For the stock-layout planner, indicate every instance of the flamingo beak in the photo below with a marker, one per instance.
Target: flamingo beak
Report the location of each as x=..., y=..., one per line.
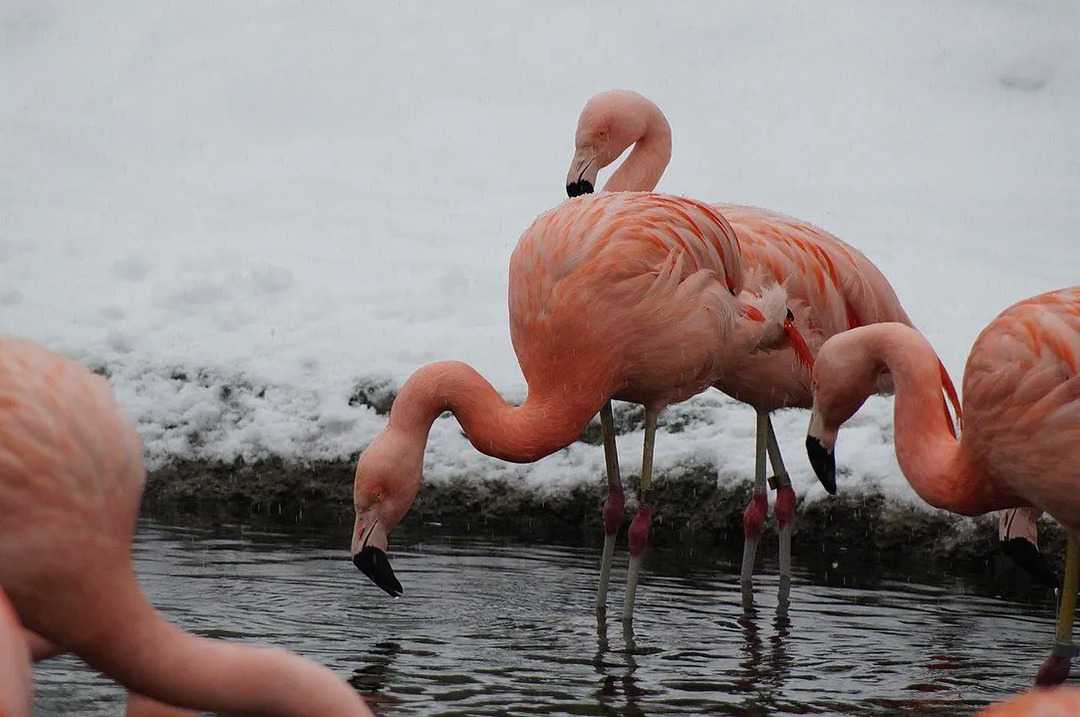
x=369, y=556
x=820, y=451
x=824, y=463
x=583, y=170
x=1027, y=556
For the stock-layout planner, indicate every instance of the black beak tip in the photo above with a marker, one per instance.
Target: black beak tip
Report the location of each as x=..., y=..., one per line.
x=824, y=463
x=373, y=562
x=576, y=189
x=1031, y=561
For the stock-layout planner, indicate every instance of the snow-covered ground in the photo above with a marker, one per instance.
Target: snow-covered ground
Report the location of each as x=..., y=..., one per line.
x=285, y=197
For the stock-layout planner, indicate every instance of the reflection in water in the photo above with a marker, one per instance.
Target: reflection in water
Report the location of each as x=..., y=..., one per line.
x=487, y=629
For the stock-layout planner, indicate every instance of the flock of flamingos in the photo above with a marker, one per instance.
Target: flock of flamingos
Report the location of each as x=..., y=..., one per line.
x=623, y=295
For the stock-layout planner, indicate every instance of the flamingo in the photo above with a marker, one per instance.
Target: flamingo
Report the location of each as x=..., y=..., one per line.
x=1056, y=702
x=634, y=296
x=837, y=283
x=1021, y=442
x=71, y=477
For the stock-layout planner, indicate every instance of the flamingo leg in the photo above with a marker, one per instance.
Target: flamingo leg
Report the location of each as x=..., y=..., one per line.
x=1056, y=668
x=785, y=514
x=755, y=513
x=613, y=506
x=639, y=529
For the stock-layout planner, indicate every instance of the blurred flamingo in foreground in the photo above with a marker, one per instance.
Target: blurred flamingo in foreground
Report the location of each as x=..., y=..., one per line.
x=137, y=705
x=831, y=287
x=1021, y=441
x=71, y=476
x=632, y=296
x=15, y=684
x=1056, y=702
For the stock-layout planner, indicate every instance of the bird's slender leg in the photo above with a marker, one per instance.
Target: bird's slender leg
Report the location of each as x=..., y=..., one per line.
x=639, y=529
x=613, y=506
x=755, y=513
x=1056, y=668
x=785, y=514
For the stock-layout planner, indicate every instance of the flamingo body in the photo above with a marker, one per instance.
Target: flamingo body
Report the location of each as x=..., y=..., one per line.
x=1021, y=442
x=636, y=296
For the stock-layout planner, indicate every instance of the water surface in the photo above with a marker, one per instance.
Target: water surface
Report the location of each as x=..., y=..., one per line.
x=486, y=628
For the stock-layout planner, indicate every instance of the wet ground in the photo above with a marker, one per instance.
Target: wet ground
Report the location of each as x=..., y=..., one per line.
x=486, y=627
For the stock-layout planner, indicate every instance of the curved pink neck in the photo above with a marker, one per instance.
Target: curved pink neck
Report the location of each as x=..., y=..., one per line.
x=648, y=159
x=544, y=423
x=939, y=468
x=110, y=624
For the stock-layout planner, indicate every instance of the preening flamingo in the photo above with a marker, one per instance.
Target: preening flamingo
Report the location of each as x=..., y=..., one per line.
x=1055, y=702
x=1021, y=440
x=632, y=296
x=831, y=287
x=16, y=686
x=71, y=477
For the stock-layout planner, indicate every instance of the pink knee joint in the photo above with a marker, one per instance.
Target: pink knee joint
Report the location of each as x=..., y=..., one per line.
x=613, y=511
x=785, y=506
x=754, y=515
x=639, y=530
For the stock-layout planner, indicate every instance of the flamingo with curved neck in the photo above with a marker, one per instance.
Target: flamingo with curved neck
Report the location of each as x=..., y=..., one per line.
x=600, y=290
x=71, y=479
x=1021, y=442
x=831, y=287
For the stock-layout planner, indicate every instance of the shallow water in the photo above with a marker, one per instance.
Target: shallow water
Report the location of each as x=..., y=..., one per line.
x=486, y=628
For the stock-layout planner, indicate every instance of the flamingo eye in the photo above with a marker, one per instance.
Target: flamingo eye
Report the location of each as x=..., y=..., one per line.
x=377, y=498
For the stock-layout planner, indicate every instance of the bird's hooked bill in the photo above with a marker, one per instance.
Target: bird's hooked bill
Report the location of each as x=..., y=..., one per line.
x=576, y=189
x=824, y=463
x=798, y=343
x=372, y=561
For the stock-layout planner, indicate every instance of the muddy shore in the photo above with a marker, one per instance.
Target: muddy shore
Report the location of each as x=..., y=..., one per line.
x=692, y=510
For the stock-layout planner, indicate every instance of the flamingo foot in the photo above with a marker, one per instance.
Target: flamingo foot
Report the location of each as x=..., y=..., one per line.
x=639, y=536
x=753, y=520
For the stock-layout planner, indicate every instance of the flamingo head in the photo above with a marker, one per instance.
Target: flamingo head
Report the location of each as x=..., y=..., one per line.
x=387, y=478
x=610, y=122
x=844, y=376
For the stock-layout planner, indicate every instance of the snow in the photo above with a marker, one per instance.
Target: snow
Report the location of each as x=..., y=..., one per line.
x=243, y=210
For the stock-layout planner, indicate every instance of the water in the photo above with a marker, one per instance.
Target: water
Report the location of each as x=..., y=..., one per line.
x=485, y=628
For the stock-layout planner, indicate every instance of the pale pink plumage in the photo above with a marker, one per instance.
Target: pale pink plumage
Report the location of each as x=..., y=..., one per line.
x=1021, y=440
x=1057, y=702
x=71, y=477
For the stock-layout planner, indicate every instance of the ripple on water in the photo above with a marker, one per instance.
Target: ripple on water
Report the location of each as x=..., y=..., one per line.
x=494, y=629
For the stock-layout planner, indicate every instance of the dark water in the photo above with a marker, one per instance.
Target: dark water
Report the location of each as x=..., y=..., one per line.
x=492, y=629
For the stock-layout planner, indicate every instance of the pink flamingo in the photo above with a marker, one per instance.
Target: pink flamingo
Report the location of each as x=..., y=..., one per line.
x=837, y=286
x=71, y=477
x=1055, y=702
x=632, y=296
x=1021, y=441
